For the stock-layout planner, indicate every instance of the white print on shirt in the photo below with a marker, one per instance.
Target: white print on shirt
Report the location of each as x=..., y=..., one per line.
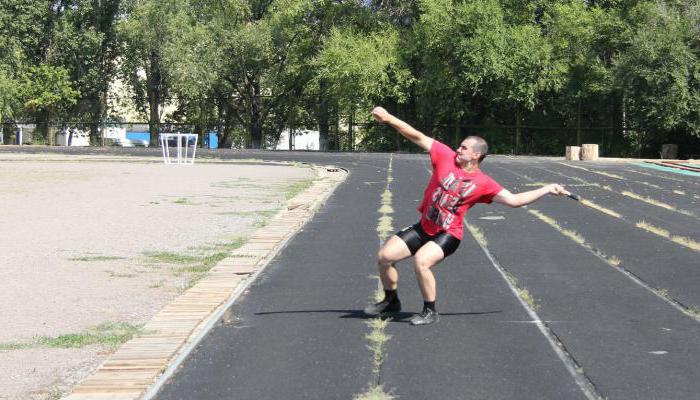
x=447, y=199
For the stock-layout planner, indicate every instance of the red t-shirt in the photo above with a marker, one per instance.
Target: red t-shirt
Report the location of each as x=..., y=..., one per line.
x=451, y=192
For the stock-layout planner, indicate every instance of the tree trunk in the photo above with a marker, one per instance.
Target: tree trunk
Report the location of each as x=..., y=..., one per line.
x=517, y=130
x=100, y=110
x=154, y=97
x=578, y=123
x=201, y=128
x=351, y=133
x=45, y=118
x=322, y=118
x=255, y=128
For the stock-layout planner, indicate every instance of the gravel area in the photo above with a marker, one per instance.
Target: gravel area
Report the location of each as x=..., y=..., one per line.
x=94, y=240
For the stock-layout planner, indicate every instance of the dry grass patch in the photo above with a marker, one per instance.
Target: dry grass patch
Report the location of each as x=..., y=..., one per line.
x=600, y=208
x=523, y=293
x=577, y=238
x=657, y=203
x=478, y=235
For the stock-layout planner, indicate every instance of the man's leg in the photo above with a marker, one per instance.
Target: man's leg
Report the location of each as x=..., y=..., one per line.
x=429, y=255
x=393, y=251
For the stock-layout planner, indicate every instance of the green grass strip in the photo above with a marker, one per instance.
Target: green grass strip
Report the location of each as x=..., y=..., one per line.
x=294, y=189
x=108, y=334
x=96, y=258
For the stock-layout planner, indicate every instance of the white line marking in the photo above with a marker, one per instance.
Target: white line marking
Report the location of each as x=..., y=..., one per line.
x=572, y=367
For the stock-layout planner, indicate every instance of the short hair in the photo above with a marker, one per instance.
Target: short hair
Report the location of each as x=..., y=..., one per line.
x=480, y=146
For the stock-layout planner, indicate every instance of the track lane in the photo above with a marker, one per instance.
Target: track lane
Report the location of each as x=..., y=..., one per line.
x=485, y=345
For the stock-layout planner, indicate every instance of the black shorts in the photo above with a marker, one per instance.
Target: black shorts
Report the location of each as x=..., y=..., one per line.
x=415, y=237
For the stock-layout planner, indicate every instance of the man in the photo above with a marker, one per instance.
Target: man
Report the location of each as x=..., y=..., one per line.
x=456, y=184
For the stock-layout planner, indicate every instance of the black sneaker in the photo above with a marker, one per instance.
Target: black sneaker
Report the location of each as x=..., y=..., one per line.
x=427, y=317
x=383, y=307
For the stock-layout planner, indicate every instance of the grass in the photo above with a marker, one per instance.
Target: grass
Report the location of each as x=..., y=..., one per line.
x=577, y=238
x=385, y=227
x=183, y=201
x=95, y=258
x=169, y=257
x=205, y=263
x=478, y=235
x=685, y=241
x=255, y=213
x=573, y=235
x=657, y=203
x=523, y=293
x=113, y=274
x=54, y=394
x=156, y=285
x=653, y=229
x=694, y=311
x=682, y=240
x=197, y=264
x=612, y=175
x=234, y=244
x=294, y=189
x=602, y=209
x=386, y=196
x=374, y=393
x=614, y=261
x=15, y=346
x=386, y=209
x=377, y=337
x=107, y=334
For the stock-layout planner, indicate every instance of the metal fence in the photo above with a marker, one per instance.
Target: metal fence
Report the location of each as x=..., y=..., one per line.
x=341, y=136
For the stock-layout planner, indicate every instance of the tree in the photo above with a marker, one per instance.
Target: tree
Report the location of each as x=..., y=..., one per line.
x=660, y=73
x=47, y=89
x=359, y=69
x=472, y=61
x=580, y=36
x=145, y=33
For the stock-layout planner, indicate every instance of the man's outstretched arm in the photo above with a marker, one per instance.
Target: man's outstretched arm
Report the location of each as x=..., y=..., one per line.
x=525, y=198
x=383, y=117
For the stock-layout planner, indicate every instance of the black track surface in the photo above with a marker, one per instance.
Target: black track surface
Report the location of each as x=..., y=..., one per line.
x=300, y=333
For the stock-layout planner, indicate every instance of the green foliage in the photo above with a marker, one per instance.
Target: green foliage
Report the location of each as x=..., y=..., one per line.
x=253, y=68
x=105, y=334
x=359, y=68
x=660, y=69
x=108, y=334
x=47, y=87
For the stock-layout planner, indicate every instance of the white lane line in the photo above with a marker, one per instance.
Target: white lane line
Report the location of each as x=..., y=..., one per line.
x=566, y=358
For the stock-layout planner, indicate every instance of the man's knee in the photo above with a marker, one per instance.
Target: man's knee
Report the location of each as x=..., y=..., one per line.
x=384, y=257
x=423, y=263
x=392, y=251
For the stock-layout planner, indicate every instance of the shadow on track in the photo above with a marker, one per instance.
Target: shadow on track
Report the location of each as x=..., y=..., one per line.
x=401, y=317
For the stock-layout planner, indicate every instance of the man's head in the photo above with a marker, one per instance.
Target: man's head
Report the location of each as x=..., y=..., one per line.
x=473, y=148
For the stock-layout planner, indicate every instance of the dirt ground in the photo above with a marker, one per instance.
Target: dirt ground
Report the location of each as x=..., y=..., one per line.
x=89, y=241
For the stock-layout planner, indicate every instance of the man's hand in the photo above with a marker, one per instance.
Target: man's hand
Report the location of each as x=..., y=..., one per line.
x=381, y=115
x=557, y=189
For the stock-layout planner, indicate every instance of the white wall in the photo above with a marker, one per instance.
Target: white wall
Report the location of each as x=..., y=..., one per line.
x=303, y=140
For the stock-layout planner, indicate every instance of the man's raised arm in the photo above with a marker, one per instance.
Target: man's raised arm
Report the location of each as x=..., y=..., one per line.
x=383, y=117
